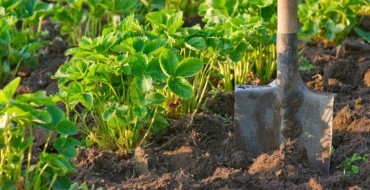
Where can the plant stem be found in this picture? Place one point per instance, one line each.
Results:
(39, 27)
(203, 86)
(52, 181)
(38, 179)
(16, 69)
(150, 125)
(29, 156)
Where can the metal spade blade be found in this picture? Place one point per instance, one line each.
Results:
(267, 116)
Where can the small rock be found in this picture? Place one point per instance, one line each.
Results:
(366, 78)
(358, 103)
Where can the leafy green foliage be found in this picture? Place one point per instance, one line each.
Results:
(120, 78)
(178, 71)
(329, 21)
(78, 17)
(30, 12)
(165, 22)
(70, 16)
(248, 31)
(349, 164)
(304, 64)
(189, 7)
(364, 35)
(20, 46)
(18, 117)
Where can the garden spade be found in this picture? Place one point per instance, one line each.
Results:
(267, 116)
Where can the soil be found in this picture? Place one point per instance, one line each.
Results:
(197, 151)
(50, 58)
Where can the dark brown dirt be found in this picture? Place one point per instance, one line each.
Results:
(40, 77)
(292, 127)
(365, 23)
(197, 152)
(196, 19)
(221, 103)
(52, 56)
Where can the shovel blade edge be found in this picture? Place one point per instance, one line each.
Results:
(316, 117)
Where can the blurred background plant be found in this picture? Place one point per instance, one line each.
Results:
(20, 41)
(188, 7)
(330, 21)
(249, 29)
(77, 18)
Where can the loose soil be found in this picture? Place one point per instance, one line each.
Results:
(197, 151)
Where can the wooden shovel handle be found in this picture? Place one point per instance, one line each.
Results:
(287, 16)
(288, 76)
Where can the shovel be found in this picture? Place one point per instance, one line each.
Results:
(267, 116)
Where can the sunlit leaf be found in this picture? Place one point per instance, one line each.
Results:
(189, 67)
(66, 127)
(8, 91)
(140, 111)
(196, 43)
(66, 146)
(181, 87)
(168, 62)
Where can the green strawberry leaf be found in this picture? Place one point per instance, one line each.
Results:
(144, 83)
(140, 111)
(66, 146)
(56, 114)
(363, 34)
(155, 70)
(180, 86)
(168, 61)
(189, 67)
(138, 64)
(154, 99)
(196, 43)
(66, 127)
(8, 91)
(87, 100)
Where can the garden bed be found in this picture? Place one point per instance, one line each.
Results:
(137, 99)
(197, 152)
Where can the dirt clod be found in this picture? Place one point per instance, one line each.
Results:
(367, 78)
(282, 163)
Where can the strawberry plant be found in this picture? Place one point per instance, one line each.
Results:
(119, 79)
(249, 28)
(6, 24)
(167, 25)
(117, 9)
(17, 46)
(29, 13)
(189, 7)
(190, 42)
(329, 21)
(95, 12)
(79, 17)
(18, 117)
(349, 164)
(69, 16)
(212, 49)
